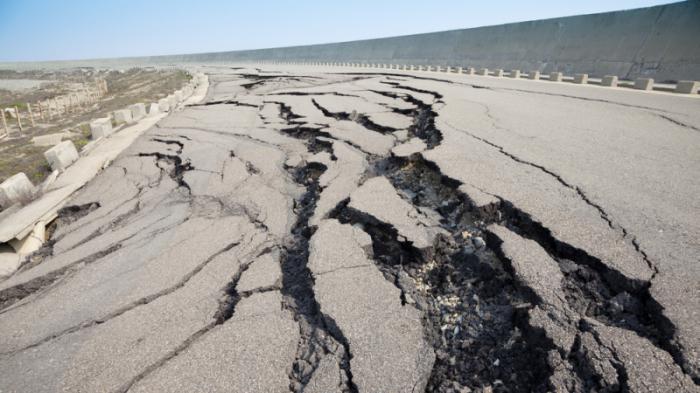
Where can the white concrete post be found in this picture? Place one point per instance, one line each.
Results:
(55, 104)
(555, 76)
(484, 71)
(515, 74)
(31, 115)
(644, 83)
(469, 71)
(498, 72)
(4, 121)
(687, 87)
(460, 70)
(581, 79)
(41, 111)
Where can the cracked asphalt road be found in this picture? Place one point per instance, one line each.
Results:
(366, 232)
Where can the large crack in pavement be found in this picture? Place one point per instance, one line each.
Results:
(319, 335)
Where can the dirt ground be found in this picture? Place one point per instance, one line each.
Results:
(19, 154)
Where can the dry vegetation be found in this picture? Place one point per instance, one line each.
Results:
(19, 154)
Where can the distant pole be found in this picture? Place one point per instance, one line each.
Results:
(31, 115)
(19, 120)
(4, 122)
(41, 110)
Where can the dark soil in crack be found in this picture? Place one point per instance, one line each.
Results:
(319, 335)
(477, 312)
(177, 167)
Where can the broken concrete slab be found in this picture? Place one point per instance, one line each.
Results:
(61, 156)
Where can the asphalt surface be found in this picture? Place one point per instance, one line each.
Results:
(322, 230)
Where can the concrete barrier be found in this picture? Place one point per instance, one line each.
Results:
(153, 108)
(172, 101)
(61, 156)
(498, 72)
(534, 75)
(122, 116)
(581, 79)
(515, 74)
(609, 80)
(469, 71)
(16, 189)
(556, 76)
(687, 87)
(163, 105)
(644, 83)
(138, 111)
(100, 128)
(484, 71)
(460, 70)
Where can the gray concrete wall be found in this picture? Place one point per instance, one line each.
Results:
(660, 42)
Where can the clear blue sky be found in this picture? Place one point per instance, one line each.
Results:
(77, 29)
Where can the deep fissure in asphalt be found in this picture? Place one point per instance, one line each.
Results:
(319, 335)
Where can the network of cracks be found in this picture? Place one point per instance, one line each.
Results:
(477, 311)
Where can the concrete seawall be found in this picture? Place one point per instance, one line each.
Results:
(659, 42)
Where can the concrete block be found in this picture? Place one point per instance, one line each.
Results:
(48, 139)
(61, 156)
(515, 74)
(581, 79)
(17, 188)
(100, 127)
(534, 75)
(178, 95)
(438, 69)
(469, 71)
(498, 72)
(138, 111)
(556, 76)
(153, 108)
(687, 87)
(460, 70)
(163, 105)
(448, 70)
(122, 116)
(644, 83)
(172, 100)
(609, 80)
(484, 71)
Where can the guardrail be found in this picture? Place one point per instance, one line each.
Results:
(643, 84)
